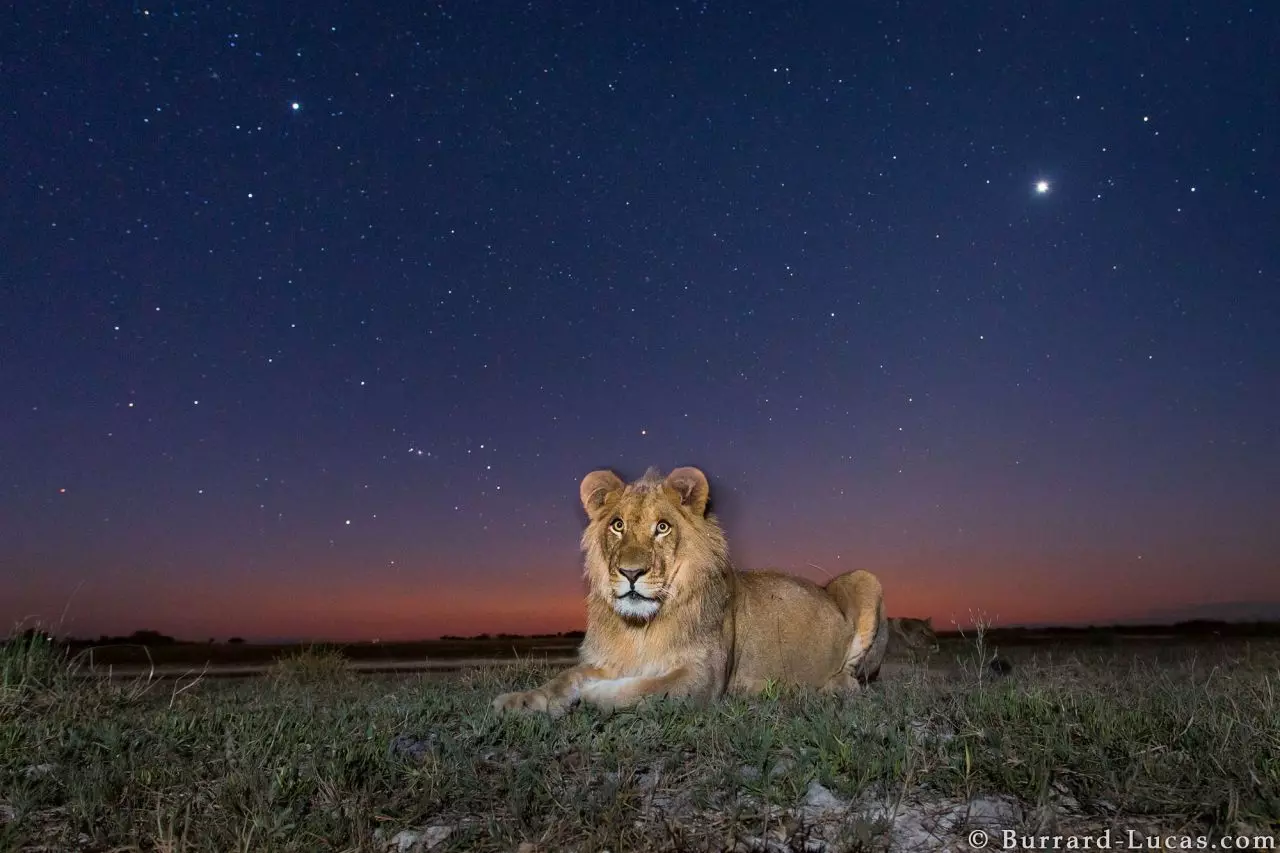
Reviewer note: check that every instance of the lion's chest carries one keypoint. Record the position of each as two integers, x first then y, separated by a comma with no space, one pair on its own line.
633,656
651,651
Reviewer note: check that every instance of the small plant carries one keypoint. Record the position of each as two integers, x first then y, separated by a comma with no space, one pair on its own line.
984,661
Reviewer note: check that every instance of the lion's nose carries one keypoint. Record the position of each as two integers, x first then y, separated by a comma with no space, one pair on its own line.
632,575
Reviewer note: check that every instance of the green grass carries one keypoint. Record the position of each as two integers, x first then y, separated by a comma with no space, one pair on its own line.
314,758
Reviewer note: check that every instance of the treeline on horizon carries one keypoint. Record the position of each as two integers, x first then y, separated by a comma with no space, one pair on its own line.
148,637
1188,628
1185,628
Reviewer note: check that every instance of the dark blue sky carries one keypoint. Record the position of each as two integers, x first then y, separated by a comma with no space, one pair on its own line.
312,315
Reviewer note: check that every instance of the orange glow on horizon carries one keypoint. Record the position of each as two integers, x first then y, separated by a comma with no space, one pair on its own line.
350,610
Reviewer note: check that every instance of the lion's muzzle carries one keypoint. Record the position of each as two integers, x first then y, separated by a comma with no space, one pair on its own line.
634,594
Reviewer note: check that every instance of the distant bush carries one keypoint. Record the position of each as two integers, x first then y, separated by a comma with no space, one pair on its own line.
150,638
144,637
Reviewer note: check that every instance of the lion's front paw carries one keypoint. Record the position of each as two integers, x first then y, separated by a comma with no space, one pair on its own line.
529,701
521,700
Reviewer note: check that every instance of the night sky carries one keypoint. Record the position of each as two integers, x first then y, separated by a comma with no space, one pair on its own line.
313,315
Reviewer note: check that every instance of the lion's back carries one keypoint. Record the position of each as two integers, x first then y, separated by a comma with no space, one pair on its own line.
785,628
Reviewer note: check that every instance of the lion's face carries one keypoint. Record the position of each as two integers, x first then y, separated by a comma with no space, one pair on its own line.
915,633
649,542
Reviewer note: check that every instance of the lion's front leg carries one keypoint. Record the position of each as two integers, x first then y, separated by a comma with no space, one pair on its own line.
555,697
613,693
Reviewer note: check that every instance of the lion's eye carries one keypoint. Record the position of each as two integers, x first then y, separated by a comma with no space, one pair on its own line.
617,525
663,528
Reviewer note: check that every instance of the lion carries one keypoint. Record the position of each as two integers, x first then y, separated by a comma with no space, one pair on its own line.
915,634
669,616
920,641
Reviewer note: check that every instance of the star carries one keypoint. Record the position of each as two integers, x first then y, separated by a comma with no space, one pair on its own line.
1042,187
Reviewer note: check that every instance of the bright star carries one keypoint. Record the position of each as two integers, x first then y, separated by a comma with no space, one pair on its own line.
296,106
1042,187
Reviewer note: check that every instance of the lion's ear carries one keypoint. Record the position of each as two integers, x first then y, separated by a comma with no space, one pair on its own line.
596,488
690,485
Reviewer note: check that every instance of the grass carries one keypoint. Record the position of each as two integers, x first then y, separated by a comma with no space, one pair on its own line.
313,758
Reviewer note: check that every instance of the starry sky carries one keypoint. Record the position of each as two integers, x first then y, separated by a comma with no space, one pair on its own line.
313,315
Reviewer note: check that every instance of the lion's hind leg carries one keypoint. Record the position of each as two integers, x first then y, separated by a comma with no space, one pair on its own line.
861,599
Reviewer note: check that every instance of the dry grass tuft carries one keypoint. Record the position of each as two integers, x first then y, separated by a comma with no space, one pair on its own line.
313,666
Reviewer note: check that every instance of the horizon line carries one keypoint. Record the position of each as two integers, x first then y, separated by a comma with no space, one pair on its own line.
573,633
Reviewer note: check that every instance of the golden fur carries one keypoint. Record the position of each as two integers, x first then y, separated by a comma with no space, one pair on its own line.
667,614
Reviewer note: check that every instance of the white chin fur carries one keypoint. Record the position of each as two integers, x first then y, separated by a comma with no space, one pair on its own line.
636,608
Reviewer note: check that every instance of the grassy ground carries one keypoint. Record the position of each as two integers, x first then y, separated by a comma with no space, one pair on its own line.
1181,741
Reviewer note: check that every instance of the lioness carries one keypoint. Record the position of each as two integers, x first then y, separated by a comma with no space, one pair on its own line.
667,614
914,634
920,641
